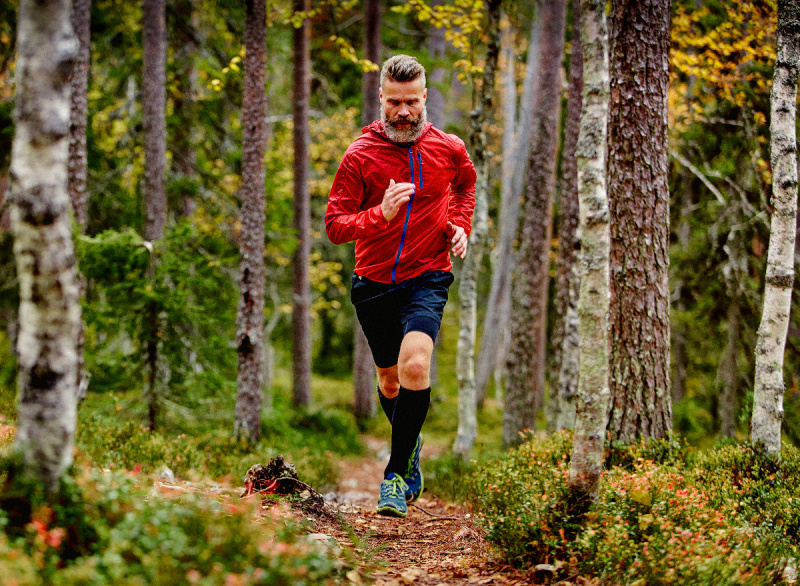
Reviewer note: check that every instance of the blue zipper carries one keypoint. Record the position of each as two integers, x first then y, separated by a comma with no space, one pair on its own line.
408,210
419,158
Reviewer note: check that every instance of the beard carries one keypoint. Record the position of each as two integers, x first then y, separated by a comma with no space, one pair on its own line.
407,134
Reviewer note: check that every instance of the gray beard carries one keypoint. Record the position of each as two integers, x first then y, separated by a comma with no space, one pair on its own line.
409,134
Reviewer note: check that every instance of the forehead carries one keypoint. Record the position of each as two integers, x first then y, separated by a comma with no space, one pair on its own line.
402,90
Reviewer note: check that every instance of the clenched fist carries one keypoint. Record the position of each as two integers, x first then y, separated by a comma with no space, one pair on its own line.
395,196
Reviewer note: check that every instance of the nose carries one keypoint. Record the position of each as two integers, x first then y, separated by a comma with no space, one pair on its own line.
403,111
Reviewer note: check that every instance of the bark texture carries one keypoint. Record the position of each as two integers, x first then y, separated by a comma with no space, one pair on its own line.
468,287
77,129
526,359
567,285
250,319
771,341
154,118
516,148
363,369
301,319
49,313
639,202
595,290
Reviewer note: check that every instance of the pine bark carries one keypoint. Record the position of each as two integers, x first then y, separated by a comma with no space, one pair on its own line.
595,291
363,368
468,290
250,319
567,282
78,107
184,158
76,178
771,341
526,359
301,320
516,149
639,203
49,314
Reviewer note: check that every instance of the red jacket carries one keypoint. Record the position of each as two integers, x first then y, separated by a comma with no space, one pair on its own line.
417,239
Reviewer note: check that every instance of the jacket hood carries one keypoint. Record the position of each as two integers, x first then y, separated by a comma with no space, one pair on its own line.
377,128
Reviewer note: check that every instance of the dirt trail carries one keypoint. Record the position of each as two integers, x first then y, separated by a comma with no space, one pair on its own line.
436,544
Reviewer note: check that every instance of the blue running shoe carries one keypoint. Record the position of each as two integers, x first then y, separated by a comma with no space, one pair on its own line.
392,502
413,476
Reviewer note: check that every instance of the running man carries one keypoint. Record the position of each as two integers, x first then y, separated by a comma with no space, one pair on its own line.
404,192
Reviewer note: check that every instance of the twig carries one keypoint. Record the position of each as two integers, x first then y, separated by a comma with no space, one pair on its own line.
440,517
686,163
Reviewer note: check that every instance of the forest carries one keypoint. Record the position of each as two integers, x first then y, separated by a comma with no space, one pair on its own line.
187,395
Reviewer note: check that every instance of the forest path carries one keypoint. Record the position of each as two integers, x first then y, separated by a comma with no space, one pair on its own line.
436,544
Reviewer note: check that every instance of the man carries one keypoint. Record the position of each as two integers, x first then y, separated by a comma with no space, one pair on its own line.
404,192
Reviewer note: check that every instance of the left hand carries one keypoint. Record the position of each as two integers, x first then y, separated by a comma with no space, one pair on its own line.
459,240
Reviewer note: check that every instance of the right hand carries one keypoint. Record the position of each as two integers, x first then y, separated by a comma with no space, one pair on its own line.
396,195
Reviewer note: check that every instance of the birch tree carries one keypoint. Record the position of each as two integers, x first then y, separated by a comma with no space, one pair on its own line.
639,202
526,358
516,148
468,292
593,305
155,179
301,320
250,319
567,281
771,341
49,315
363,368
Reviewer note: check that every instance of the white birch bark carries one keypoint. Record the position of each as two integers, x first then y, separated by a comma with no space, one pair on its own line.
468,293
769,385
593,390
49,313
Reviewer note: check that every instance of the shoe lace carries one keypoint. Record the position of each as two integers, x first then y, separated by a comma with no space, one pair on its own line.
393,488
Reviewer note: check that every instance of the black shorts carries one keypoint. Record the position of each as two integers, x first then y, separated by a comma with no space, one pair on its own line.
388,311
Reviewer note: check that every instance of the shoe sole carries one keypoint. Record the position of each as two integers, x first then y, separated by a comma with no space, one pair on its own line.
391,512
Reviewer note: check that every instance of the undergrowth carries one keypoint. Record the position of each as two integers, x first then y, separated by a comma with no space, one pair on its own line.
665,515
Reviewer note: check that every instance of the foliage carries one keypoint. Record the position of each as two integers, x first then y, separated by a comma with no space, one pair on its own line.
141,537
667,516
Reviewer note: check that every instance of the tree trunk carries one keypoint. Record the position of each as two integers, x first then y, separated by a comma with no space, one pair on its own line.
50,314
516,148
80,18
250,320
680,356
769,386
593,390
729,371
301,321
436,51
155,190
565,334
77,131
363,369
184,158
468,290
526,359
639,203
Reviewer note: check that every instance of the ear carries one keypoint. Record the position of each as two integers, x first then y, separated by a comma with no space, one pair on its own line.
425,94
380,93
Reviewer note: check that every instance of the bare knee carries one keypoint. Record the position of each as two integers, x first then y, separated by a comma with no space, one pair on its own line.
389,384
414,372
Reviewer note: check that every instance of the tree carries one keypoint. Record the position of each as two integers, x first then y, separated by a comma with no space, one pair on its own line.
76,181
301,320
155,187
567,282
250,319
769,386
639,202
468,292
363,369
593,390
526,359
436,78
50,313
516,149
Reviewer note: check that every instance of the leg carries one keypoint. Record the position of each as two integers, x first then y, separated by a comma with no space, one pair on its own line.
414,363
388,381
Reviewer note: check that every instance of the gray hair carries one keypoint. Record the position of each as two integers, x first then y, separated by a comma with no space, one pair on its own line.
402,68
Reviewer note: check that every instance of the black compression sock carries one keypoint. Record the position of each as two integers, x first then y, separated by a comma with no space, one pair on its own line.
409,415
387,404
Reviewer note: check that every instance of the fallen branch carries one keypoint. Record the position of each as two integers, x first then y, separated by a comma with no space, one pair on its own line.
439,517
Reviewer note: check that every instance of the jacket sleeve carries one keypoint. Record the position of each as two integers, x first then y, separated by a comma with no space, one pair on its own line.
344,218
462,190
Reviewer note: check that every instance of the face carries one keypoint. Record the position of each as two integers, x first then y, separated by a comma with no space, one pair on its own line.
403,109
